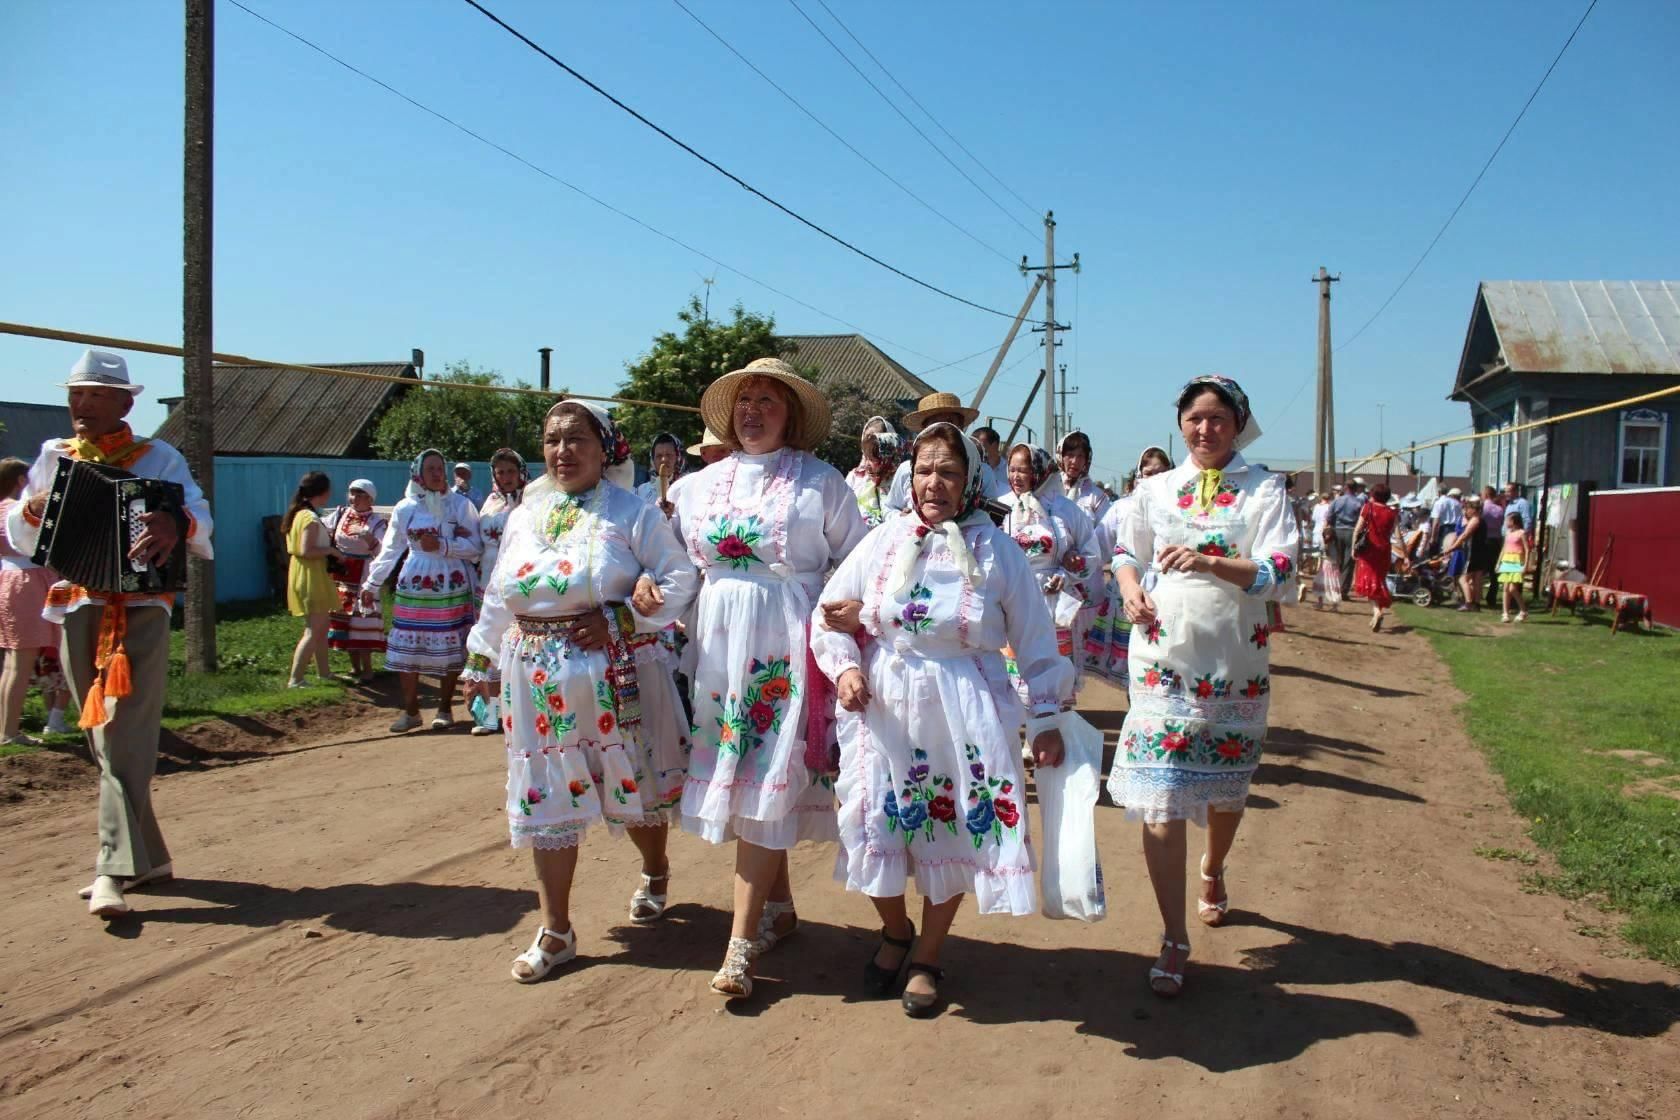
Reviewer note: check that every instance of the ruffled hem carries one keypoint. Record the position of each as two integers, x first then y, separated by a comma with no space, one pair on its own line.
809,819
882,873
570,834
1156,795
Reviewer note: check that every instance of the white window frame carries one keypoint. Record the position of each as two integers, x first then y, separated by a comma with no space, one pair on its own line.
1641,417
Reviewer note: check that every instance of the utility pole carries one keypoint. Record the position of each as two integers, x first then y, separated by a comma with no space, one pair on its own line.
1324,442
198,387
1050,325
1025,406
1064,392
1008,340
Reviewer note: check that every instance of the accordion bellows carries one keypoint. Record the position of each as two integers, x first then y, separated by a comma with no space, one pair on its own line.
91,521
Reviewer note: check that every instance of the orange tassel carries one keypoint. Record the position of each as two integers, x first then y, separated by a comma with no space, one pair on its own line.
118,682
93,708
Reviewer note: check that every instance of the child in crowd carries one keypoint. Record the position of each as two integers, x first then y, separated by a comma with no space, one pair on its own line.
1513,558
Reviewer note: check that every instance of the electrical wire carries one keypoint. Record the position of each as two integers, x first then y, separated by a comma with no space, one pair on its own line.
957,362
725,172
847,144
924,110
1475,182
893,105
579,191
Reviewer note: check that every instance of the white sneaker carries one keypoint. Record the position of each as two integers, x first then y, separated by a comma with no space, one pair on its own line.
107,901
406,722
162,873
56,724
444,720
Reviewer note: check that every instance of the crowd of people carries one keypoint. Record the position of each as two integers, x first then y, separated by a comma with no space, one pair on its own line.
763,651
1367,541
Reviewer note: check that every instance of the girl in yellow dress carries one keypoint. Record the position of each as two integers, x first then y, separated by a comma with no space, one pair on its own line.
310,593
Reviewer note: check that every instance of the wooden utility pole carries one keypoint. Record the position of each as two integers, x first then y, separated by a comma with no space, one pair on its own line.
198,389
1025,405
1324,448
1049,329
1008,341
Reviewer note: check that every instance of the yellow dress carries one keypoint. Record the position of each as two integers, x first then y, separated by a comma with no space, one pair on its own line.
309,590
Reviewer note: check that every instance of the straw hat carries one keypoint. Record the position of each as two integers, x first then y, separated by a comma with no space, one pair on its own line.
717,405
101,369
710,439
939,402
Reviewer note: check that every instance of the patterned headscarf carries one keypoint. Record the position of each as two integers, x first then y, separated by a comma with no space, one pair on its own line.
433,500
971,513
1247,430
888,449
612,440
682,455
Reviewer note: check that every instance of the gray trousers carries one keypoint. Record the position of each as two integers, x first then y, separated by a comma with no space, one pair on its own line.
130,842
1344,559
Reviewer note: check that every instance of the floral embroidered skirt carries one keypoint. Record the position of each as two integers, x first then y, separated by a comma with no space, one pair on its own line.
930,786
350,630
747,777
570,764
431,617
1200,690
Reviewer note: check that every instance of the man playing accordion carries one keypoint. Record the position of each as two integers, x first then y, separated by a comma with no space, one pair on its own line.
115,646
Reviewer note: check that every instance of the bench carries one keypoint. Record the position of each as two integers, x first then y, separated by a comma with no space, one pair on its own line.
1625,606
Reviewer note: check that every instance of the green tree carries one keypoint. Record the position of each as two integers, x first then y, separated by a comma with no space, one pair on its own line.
681,363
464,424
852,406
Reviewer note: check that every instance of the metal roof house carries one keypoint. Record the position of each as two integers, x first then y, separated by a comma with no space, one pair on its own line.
265,410
28,426
840,358
1536,349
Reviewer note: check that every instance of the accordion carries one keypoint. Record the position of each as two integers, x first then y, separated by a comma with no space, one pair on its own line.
92,519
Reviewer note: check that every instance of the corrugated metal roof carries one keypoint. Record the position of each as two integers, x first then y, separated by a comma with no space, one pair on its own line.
1586,326
28,426
261,410
852,357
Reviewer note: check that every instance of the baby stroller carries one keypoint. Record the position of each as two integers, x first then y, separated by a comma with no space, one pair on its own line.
1424,582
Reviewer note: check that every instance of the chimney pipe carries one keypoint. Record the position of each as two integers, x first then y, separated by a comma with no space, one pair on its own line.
417,358
546,352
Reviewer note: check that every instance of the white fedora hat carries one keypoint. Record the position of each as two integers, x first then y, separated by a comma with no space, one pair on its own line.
101,369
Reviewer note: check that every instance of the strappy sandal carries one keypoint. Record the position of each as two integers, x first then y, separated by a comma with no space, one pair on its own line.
645,906
1213,913
881,981
539,960
734,980
1176,979
918,1006
768,938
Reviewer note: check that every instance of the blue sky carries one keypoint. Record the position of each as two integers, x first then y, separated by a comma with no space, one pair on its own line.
1204,160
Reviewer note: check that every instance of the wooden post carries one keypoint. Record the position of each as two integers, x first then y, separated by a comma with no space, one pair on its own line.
1540,533
1022,418
1050,331
198,389
1324,445
1008,341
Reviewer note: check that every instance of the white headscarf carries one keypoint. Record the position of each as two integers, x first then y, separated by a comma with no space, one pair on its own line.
1047,481
971,513
620,470
435,501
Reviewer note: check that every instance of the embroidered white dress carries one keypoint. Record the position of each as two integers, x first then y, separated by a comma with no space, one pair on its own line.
1200,672
492,524
1094,503
1058,540
571,763
433,609
765,531
1107,641
930,771
871,498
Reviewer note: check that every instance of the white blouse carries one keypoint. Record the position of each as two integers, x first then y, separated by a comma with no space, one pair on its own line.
409,518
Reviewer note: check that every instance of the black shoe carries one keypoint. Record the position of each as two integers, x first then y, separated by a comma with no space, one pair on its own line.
880,981
921,1007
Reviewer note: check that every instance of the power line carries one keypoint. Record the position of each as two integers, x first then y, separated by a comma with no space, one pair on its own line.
574,188
958,362
725,172
924,110
1497,149
843,141
899,111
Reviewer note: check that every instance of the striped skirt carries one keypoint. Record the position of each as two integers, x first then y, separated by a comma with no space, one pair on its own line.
431,616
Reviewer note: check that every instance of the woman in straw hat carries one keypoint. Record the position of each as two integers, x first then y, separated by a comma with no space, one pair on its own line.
710,449
587,577
1224,541
765,526
1059,541
930,776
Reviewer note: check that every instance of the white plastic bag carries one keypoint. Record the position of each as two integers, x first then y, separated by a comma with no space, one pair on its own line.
1070,879
1066,608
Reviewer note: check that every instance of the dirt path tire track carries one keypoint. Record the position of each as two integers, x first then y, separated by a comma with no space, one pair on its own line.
1374,964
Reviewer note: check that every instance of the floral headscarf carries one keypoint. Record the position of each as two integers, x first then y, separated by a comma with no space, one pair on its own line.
1247,430
889,450
433,500
518,461
971,513
682,455
617,447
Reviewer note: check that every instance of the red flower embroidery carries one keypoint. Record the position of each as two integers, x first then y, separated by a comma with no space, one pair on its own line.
1211,549
577,788
1175,742
776,688
1260,635
762,716
733,547
539,677
524,570
1253,690
1184,501
556,703
627,785
1224,498
1230,748
1152,677
1204,689
942,809
606,723
1006,812
534,795
542,724
564,567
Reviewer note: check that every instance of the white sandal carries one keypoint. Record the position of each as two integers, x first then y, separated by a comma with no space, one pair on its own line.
768,938
1213,913
734,980
1177,978
645,906
539,960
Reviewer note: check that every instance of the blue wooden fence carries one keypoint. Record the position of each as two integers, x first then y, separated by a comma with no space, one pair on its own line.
250,489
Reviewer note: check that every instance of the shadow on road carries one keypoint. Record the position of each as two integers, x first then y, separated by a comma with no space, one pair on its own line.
1281,774
1330,678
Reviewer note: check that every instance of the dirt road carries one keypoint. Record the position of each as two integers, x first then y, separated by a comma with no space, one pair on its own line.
338,946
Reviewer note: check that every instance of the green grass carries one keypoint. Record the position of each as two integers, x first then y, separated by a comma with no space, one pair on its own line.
1548,701
254,648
